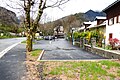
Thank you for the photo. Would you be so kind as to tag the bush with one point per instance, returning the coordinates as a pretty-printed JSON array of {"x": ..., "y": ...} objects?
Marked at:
[
  {"x": 6, "y": 35},
  {"x": 84, "y": 34},
  {"x": 76, "y": 35},
  {"x": 68, "y": 36},
  {"x": 94, "y": 34},
  {"x": 113, "y": 42},
  {"x": 108, "y": 47}
]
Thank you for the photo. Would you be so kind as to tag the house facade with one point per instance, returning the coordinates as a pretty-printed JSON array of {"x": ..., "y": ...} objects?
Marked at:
[
  {"x": 59, "y": 31},
  {"x": 113, "y": 21}
]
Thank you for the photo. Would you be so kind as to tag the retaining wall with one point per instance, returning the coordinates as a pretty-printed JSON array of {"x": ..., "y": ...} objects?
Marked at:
[{"x": 102, "y": 52}]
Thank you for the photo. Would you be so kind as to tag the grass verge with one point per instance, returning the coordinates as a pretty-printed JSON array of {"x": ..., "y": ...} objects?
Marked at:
[
  {"x": 36, "y": 52},
  {"x": 6, "y": 37},
  {"x": 82, "y": 70}
]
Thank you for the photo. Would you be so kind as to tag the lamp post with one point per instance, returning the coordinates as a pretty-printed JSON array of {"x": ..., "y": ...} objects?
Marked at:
[{"x": 73, "y": 36}]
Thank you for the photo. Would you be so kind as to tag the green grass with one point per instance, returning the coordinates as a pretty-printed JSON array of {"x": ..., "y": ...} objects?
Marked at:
[
  {"x": 91, "y": 68},
  {"x": 35, "y": 52},
  {"x": 110, "y": 64},
  {"x": 5, "y": 37},
  {"x": 23, "y": 41},
  {"x": 118, "y": 72},
  {"x": 108, "y": 47},
  {"x": 86, "y": 70}
]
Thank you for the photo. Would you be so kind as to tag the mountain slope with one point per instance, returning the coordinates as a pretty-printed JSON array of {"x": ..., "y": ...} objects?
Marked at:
[
  {"x": 8, "y": 20},
  {"x": 76, "y": 20},
  {"x": 7, "y": 17},
  {"x": 90, "y": 15}
]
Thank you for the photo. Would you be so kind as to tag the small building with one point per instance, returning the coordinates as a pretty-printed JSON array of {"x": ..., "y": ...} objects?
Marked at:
[
  {"x": 98, "y": 25},
  {"x": 100, "y": 19},
  {"x": 113, "y": 20},
  {"x": 92, "y": 26},
  {"x": 81, "y": 29},
  {"x": 59, "y": 32},
  {"x": 87, "y": 24}
]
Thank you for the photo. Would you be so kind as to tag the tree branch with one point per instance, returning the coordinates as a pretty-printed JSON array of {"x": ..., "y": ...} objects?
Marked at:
[
  {"x": 58, "y": 3},
  {"x": 40, "y": 11}
]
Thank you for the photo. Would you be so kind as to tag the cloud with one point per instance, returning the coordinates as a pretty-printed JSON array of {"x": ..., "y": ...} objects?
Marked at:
[
  {"x": 76, "y": 6},
  {"x": 72, "y": 7}
]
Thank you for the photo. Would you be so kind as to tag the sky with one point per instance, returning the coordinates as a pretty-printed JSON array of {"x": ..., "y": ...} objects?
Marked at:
[{"x": 71, "y": 7}]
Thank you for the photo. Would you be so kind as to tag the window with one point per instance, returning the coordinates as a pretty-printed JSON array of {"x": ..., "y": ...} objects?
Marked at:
[
  {"x": 119, "y": 18},
  {"x": 111, "y": 21},
  {"x": 110, "y": 35}
]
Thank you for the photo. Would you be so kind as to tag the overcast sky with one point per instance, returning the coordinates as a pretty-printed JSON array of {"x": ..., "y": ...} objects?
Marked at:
[{"x": 72, "y": 7}]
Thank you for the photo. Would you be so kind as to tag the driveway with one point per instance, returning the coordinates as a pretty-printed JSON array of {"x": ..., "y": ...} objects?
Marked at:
[{"x": 60, "y": 49}]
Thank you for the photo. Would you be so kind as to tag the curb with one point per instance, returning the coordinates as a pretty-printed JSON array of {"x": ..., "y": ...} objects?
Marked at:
[
  {"x": 80, "y": 60},
  {"x": 40, "y": 56}
]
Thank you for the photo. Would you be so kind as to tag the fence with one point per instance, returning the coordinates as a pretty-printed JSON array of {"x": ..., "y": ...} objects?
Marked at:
[
  {"x": 92, "y": 46},
  {"x": 92, "y": 42}
]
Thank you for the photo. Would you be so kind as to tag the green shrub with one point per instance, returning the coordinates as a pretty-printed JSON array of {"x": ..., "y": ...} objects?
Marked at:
[
  {"x": 68, "y": 36},
  {"x": 108, "y": 47},
  {"x": 94, "y": 34},
  {"x": 83, "y": 34},
  {"x": 76, "y": 34}
]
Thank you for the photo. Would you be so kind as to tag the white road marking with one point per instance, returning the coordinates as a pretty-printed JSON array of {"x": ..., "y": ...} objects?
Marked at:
[
  {"x": 7, "y": 49},
  {"x": 70, "y": 56}
]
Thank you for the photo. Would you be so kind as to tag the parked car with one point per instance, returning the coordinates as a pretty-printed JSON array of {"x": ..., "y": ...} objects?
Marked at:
[{"x": 48, "y": 37}]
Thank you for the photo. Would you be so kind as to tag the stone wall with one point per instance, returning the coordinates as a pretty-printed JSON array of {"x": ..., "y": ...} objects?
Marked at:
[{"x": 102, "y": 52}]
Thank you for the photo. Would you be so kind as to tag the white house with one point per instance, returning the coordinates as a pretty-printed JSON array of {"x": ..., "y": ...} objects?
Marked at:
[{"x": 113, "y": 20}]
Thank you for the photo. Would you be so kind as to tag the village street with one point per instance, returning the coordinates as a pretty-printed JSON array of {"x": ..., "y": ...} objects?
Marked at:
[
  {"x": 59, "y": 40},
  {"x": 12, "y": 65},
  {"x": 7, "y": 44}
]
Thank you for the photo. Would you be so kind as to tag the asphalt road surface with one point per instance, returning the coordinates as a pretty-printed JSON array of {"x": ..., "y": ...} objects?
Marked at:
[
  {"x": 60, "y": 49},
  {"x": 12, "y": 65},
  {"x": 4, "y": 43}
]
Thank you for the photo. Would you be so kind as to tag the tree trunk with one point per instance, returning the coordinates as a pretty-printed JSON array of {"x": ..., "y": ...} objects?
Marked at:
[{"x": 29, "y": 42}]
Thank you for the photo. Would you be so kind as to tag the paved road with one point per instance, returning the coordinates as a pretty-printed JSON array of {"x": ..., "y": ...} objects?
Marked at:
[
  {"x": 12, "y": 66},
  {"x": 4, "y": 43},
  {"x": 63, "y": 50}
]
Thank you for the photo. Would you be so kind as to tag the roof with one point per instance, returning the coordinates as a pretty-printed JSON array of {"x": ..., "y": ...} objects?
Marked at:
[
  {"x": 111, "y": 5},
  {"x": 100, "y": 17},
  {"x": 82, "y": 28},
  {"x": 94, "y": 25},
  {"x": 87, "y": 22}
]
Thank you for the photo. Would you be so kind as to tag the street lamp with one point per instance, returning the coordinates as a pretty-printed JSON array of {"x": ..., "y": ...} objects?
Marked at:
[{"x": 73, "y": 42}]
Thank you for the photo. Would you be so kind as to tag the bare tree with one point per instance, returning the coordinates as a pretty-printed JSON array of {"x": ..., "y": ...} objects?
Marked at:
[
  {"x": 28, "y": 6},
  {"x": 68, "y": 23}
]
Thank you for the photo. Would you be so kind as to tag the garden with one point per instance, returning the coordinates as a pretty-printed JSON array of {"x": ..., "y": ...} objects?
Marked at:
[{"x": 94, "y": 38}]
